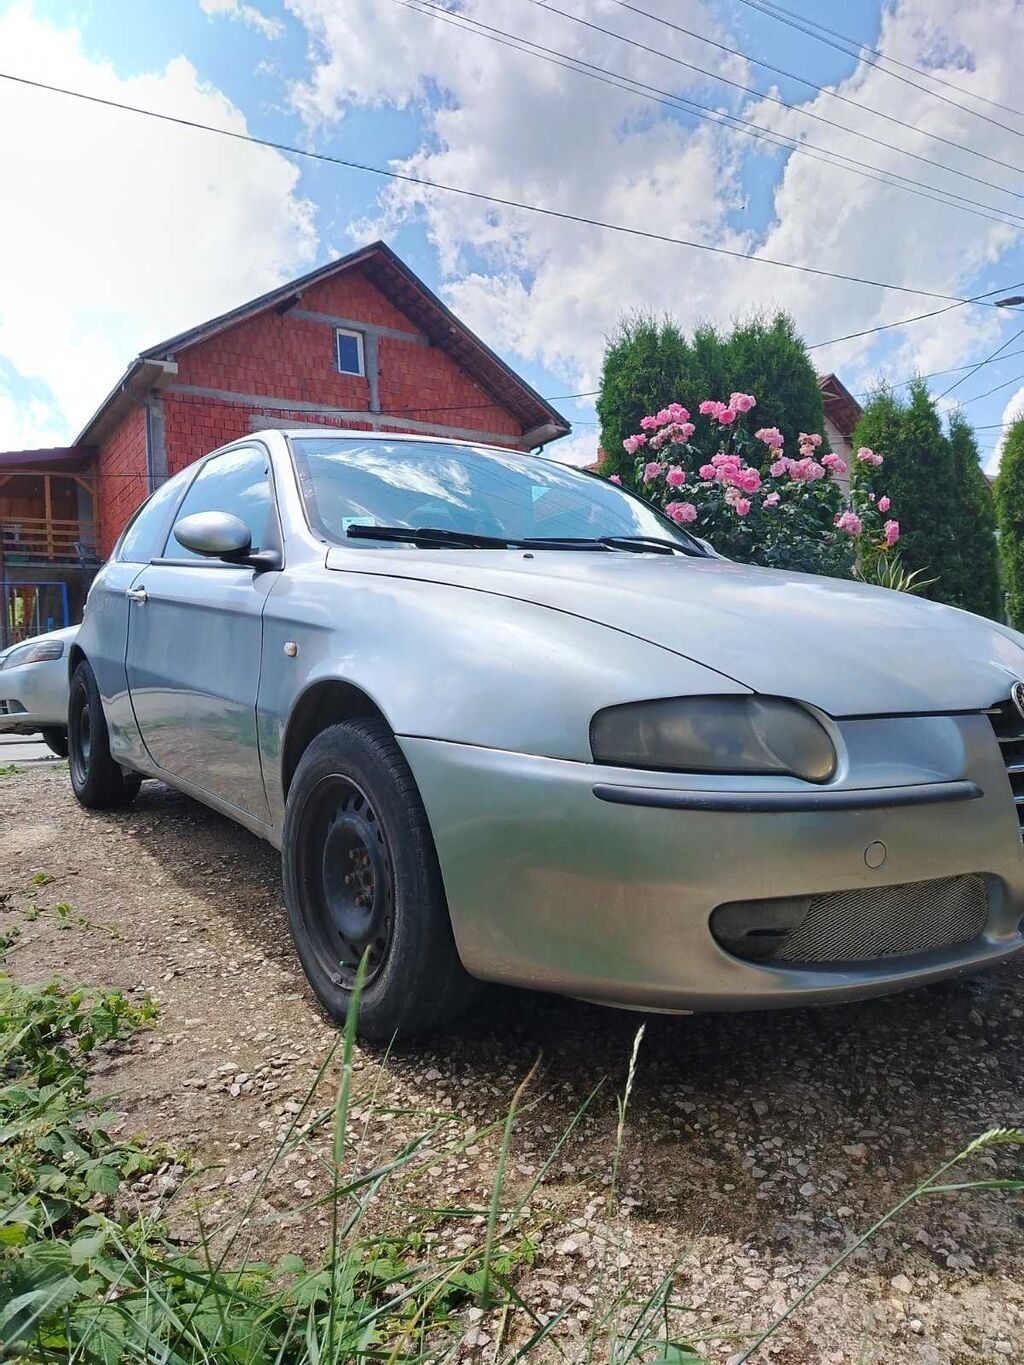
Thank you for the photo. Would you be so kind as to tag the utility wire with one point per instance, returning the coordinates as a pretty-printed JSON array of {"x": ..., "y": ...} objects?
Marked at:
[
  {"x": 793, "y": 108},
  {"x": 932, "y": 374},
  {"x": 480, "y": 197},
  {"x": 988, "y": 359},
  {"x": 918, "y": 317},
  {"x": 620, "y": 81},
  {"x": 825, "y": 90},
  {"x": 798, "y": 21},
  {"x": 1005, "y": 385}
]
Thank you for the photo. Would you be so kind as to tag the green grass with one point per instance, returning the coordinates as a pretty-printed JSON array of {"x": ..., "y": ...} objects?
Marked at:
[{"x": 85, "y": 1279}]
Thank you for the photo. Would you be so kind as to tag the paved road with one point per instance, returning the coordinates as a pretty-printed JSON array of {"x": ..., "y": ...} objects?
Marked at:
[{"x": 24, "y": 750}]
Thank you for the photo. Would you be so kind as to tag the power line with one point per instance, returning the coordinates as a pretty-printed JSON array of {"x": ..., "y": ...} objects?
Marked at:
[
  {"x": 793, "y": 108},
  {"x": 833, "y": 94},
  {"x": 932, "y": 374},
  {"x": 630, "y": 85},
  {"x": 770, "y": 7},
  {"x": 481, "y": 197},
  {"x": 986, "y": 361},
  {"x": 1005, "y": 385},
  {"x": 903, "y": 322}
]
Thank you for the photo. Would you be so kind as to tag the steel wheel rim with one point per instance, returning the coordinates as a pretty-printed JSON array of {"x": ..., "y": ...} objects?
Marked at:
[
  {"x": 345, "y": 881},
  {"x": 80, "y": 734}
]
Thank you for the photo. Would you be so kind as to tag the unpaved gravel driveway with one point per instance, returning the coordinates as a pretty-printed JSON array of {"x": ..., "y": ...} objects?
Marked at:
[{"x": 756, "y": 1147}]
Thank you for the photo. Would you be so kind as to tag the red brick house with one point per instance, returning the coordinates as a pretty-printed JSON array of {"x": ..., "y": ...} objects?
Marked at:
[{"x": 359, "y": 343}]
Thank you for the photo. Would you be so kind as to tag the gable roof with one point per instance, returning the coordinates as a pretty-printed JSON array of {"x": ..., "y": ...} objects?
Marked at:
[
  {"x": 389, "y": 273},
  {"x": 840, "y": 404}
]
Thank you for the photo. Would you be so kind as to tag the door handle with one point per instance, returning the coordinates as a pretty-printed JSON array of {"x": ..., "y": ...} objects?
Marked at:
[{"x": 137, "y": 594}]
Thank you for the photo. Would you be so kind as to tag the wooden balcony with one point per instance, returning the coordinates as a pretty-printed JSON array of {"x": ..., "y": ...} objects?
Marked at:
[{"x": 47, "y": 540}]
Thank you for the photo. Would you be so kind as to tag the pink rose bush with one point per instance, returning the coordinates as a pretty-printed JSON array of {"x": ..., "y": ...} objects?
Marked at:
[{"x": 754, "y": 500}]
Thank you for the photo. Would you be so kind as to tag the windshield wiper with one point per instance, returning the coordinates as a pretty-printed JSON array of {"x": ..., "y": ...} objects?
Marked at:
[{"x": 429, "y": 537}]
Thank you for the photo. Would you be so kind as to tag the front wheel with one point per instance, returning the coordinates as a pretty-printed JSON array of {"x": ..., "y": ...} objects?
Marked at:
[
  {"x": 97, "y": 781},
  {"x": 361, "y": 879},
  {"x": 55, "y": 737}
]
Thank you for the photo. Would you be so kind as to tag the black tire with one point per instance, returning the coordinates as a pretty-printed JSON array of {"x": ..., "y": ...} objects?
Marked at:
[
  {"x": 55, "y": 737},
  {"x": 97, "y": 781},
  {"x": 353, "y": 803}
]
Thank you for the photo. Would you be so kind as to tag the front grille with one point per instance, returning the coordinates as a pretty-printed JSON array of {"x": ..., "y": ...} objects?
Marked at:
[
  {"x": 1009, "y": 731},
  {"x": 855, "y": 926}
]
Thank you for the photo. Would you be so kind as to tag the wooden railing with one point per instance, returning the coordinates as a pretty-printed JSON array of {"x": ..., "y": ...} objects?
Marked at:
[{"x": 29, "y": 540}]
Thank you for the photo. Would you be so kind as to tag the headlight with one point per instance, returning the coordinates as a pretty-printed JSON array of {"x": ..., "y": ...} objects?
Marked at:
[
  {"x": 34, "y": 654},
  {"x": 748, "y": 735}
]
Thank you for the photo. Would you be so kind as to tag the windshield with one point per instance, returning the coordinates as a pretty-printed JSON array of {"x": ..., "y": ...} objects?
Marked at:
[{"x": 348, "y": 482}]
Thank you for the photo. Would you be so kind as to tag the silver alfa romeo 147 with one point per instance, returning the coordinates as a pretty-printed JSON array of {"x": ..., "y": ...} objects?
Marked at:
[{"x": 506, "y": 722}]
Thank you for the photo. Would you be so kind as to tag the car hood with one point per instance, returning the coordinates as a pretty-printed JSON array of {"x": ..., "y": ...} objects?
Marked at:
[{"x": 845, "y": 647}]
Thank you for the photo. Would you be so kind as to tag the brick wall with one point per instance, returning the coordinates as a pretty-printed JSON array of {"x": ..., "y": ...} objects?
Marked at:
[
  {"x": 292, "y": 358},
  {"x": 122, "y": 479}
]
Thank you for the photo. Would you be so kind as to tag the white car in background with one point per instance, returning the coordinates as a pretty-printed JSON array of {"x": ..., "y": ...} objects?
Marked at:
[{"x": 34, "y": 688}]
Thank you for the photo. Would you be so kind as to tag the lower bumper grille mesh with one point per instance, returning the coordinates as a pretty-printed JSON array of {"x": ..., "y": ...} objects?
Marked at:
[{"x": 855, "y": 926}]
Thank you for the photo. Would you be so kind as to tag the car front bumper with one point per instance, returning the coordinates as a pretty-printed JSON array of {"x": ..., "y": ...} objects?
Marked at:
[
  {"x": 600, "y": 882},
  {"x": 33, "y": 696}
]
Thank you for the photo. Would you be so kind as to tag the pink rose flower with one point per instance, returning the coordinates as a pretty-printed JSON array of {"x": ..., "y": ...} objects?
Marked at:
[
  {"x": 849, "y": 522},
  {"x": 614, "y": 478},
  {"x": 648, "y": 423},
  {"x": 884, "y": 504},
  {"x": 771, "y": 436},
  {"x": 675, "y": 478},
  {"x": 633, "y": 443},
  {"x": 868, "y": 456},
  {"x": 707, "y": 471},
  {"x": 891, "y": 531},
  {"x": 741, "y": 506},
  {"x": 681, "y": 511},
  {"x": 686, "y": 429},
  {"x": 663, "y": 418},
  {"x": 749, "y": 480},
  {"x": 651, "y": 471},
  {"x": 726, "y": 416},
  {"x": 677, "y": 413},
  {"x": 742, "y": 402},
  {"x": 834, "y": 463},
  {"x": 709, "y": 407},
  {"x": 780, "y": 467},
  {"x": 814, "y": 441},
  {"x": 772, "y": 500}
]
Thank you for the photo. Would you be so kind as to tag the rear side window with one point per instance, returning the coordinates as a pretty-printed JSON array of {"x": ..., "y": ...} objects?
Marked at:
[
  {"x": 238, "y": 482},
  {"x": 144, "y": 536}
]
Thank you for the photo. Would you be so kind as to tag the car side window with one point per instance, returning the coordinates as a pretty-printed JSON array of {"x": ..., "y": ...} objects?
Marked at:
[
  {"x": 144, "y": 536},
  {"x": 238, "y": 482}
]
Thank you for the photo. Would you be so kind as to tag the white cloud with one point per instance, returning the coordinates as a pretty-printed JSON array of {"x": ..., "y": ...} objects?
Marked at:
[
  {"x": 1013, "y": 412},
  {"x": 249, "y": 14},
  {"x": 514, "y": 126},
  {"x": 126, "y": 230}
]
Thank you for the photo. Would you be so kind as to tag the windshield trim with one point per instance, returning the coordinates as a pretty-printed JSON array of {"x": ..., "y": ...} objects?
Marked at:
[{"x": 318, "y": 528}]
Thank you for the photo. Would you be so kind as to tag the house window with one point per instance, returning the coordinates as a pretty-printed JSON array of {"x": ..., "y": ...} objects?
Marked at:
[{"x": 349, "y": 352}]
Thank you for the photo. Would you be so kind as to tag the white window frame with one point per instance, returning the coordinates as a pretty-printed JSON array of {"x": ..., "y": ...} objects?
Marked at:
[{"x": 340, "y": 332}]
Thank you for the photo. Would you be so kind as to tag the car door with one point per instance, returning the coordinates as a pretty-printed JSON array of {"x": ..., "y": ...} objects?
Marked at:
[{"x": 195, "y": 632}]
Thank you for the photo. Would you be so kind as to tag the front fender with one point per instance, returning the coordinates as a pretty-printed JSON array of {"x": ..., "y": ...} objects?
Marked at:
[{"x": 457, "y": 664}]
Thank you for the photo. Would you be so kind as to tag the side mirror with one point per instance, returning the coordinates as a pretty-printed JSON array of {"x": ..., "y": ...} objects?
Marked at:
[{"x": 217, "y": 535}]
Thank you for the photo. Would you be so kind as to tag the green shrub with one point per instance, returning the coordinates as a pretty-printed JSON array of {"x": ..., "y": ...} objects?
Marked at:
[{"x": 1010, "y": 513}]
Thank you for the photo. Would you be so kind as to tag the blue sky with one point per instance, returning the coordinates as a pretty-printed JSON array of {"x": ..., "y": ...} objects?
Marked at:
[{"x": 152, "y": 229}]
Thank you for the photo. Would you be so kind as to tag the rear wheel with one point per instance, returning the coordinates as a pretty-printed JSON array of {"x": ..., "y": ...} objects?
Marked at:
[
  {"x": 97, "y": 781},
  {"x": 55, "y": 737},
  {"x": 361, "y": 878}
]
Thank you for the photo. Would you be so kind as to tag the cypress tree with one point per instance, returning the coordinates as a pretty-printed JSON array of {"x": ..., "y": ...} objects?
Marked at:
[
  {"x": 972, "y": 579},
  {"x": 1010, "y": 514},
  {"x": 918, "y": 478}
]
